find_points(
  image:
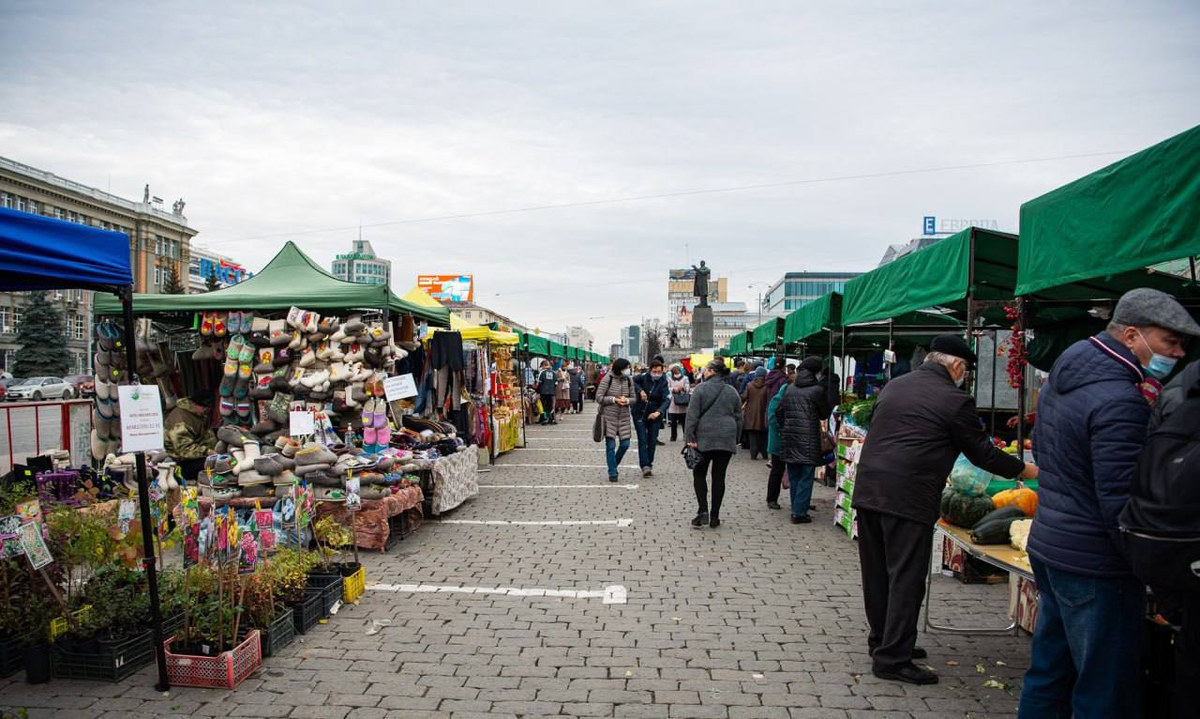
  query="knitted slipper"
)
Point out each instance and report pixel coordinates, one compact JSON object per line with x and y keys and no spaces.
{"x":227,"y":406}
{"x":243,"y":408}
{"x":207,"y":322}
{"x":220,"y":326}
{"x":266,"y":361}
{"x":277,"y":332}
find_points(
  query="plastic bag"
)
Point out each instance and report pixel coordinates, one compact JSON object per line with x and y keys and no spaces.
{"x":969,"y":479}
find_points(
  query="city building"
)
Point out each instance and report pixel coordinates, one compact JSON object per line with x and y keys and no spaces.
{"x":895,"y":251}
{"x":159,"y":241}
{"x":205,"y":262}
{"x":731,"y":318}
{"x":614,"y":351}
{"x":631,"y":343}
{"x":580,"y":337}
{"x":362,"y":265}
{"x":796,"y":289}
{"x":681,"y":301}
{"x":474,"y":314}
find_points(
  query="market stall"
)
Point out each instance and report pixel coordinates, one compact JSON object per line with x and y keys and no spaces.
{"x":767,"y":338}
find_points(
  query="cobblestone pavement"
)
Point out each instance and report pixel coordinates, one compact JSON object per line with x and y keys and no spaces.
{"x":758,"y":618}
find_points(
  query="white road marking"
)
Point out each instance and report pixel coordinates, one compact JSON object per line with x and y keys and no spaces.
{"x":612,"y":594}
{"x":581,"y":466}
{"x":625,"y":522}
{"x":609,"y":485}
{"x":559,"y":449}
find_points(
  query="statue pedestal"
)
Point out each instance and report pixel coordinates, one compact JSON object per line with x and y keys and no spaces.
{"x":702,"y":327}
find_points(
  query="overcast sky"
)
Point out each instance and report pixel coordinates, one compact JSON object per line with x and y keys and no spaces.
{"x":298,"y":120}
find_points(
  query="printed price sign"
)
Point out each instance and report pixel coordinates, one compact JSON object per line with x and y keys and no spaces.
{"x":141,"y":418}
{"x":399,"y":387}
{"x":300,"y":423}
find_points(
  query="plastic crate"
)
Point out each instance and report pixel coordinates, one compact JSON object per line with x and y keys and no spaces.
{"x":280,"y":632}
{"x":112,"y":663}
{"x":310,"y":610}
{"x":331,"y":588}
{"x":171,"y":625}
{"x":12,"y":651}
{"x":60,"y":625}
{"x":354,"y":585}
{"x":224,"y":671}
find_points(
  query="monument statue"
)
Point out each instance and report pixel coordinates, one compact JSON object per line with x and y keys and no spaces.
{"x":146,"y":194}
{"x":700,"y":283}
{"x":178,"y":206}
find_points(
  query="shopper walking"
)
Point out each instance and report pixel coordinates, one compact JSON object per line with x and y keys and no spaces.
{"x":776,"y":378}
{"x":775,"y":478}
{"x":649,"y":413}
{"x":806,"y":403}
{"x":615,"y":395}
{"x":547,"y":386}
{"x":681,"y":394}
{"x":922,"y":422}
{"x":1091,"y":426}
{"x":714,"y":422}
{"x":577,"y":383}
{"x":754,"y":413}
{"x":562,"y":390}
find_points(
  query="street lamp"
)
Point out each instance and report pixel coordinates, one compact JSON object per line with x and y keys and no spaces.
{"x":759,"y":285}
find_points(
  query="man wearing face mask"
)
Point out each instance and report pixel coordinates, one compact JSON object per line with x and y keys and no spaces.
{"x":1092,"y":417}
{"x":922,"y":422}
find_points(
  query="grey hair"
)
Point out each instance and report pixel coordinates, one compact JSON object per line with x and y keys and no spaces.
{"x":943,"y":359}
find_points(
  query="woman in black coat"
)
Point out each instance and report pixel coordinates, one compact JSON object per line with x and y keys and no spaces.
{"x":806,"y":403}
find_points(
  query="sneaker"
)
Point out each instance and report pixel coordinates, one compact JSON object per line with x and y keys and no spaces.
{"x":646,"y":472}
{"x":909,"y":673}
{"x":773,"y":505}
{"x":700,"y":520}
{"x":662,"y":443}
{"x":714,"y":521}
{"x":613,"y":478}
{"x":801,"y":520}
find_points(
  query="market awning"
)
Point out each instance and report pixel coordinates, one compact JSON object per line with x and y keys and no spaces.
{"x":974,"y":262}
{"x":1094,"y":237}
{"x":290,"y":279}
{"x":555,"y":349}
{"x":536,"y":345}
{"x":739,"y":344}
{"x":767,"y":335}
{"x":813,"y":318}
{"x":42,"y":253}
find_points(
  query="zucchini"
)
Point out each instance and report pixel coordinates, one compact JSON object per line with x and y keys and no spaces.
{"x":993,"y":529}
{"x":1002,"y":513}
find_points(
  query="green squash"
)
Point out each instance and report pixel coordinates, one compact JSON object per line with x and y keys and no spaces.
{"x":963,"y":510}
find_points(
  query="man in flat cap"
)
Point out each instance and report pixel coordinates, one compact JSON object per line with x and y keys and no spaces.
{"x":1092,"y":417}
{"x":922,"y":422}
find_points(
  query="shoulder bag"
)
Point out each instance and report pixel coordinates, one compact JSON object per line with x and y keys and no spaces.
{"x":599,"y":429}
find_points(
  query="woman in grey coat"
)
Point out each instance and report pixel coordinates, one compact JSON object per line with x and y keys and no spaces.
{"x":615,"y":395}
{"x":714,"y":423}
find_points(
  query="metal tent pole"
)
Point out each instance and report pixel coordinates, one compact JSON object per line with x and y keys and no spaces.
{"x":1021,"y":390}
{"x":148,"y":561}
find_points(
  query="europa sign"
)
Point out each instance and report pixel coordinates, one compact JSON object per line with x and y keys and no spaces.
{"x":455,"y":288}
{"x":931,"y":226}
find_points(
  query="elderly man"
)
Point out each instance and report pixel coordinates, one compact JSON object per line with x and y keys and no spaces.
{"x":922,"y":422}
{"x":1091,"y":427}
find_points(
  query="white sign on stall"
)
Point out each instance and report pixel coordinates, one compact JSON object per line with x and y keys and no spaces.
{"x":300,"y":423}
{"x":141,"y":418}
{"x":399,"y":387}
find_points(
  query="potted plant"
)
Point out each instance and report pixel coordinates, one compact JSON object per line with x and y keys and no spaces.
{"x":208,"y":651}
{"x":38,"y":612}
{"x":112,"y":640}
{"x":328,"y":532}
{"x":289,"y":569}
{"x":265,"y":613}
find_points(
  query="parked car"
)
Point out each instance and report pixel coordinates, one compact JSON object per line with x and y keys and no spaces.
{"x":38,"y":389}
{"x":84,"y":384}
{"x":4,"y":383}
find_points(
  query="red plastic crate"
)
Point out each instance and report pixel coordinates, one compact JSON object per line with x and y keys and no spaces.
{"x":224,"y":671}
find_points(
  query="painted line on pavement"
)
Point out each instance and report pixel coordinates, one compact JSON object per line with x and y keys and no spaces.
{"x":609,"y":485}
{"x":612,"y":594}
{"x":581,"y":466}
{"x":559,"y":449}
{"x":626,"y":522}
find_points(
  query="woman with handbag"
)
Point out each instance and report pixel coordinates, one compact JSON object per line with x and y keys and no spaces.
{"x":714,"y":423}
{"x":614,"y":396}
{"x":681,"y":394}
{"x":806,"y":403}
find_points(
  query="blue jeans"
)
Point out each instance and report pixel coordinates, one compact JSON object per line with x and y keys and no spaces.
{"x":800,"y":476}
{"x":1085,"y":646}
{"x":614,"y":454}
{"x":647,"y":434}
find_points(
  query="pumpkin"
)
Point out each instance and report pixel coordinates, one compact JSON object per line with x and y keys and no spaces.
{"x":1022,"y":498}
{"x":964,"y":510}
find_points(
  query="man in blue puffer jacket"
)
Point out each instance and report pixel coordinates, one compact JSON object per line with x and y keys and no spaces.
{"x":1091,"y":427}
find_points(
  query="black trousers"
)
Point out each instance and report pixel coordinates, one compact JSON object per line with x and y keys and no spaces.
{"x":757,"y":439}
{"x":678,"y":422}
{"x":720,"y":463}
{"x":577,"y":405}
{"x":548,"y":407}
{"x":894,"y":556}
{"x":775,"y":478}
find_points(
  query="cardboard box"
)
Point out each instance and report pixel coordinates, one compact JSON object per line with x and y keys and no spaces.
{"x":1026,"y":605}
{"x":843,"y":502}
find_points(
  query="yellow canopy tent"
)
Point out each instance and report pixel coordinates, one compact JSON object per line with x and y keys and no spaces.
{"x":477,"y":333}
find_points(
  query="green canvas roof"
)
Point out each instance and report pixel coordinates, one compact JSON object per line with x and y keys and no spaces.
{"x":767,"y":335}
{"x":535,"y":344}
{"x":739,"y":344}
{"x":555,"y":349}
{"x":290,"y":279}
{"x":937,"y":276}
{"x":813,"y":318}
{"x":1093,"y":237}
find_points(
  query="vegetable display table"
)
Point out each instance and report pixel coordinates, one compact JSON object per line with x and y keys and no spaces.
{"x":1002,"y":556}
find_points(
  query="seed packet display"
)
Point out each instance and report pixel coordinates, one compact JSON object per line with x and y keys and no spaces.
{"x":264,"y":521}
{"x":34,"y":545}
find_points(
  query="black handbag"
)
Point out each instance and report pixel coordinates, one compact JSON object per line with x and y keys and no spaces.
{"x":691,"y":456}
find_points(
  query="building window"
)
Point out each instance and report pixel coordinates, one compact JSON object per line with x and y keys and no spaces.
{"x":158,"y":276}
{"x":33,"y":207}
{"x":16,"y":321}
{"x":20,"y":204}
{"x":6,"y":200}
{"x":78,"y":327}
{"x":4,"y":326}
{"x":10,"y":357}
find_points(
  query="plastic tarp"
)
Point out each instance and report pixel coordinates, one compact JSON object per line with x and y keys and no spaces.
{"x":739,"y":344}
{"x":937,"y":276}
{"x":767,"y":335}
{"x":42,"y":253}
{"x":290,"y":279}
{"x":556,"y":349}
{"x":815,"y":317}
{"x":1134,"y":213}
{"x":536,"y":345}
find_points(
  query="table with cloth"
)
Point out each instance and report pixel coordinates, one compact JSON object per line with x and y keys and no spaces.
{"x":450,"y":480}
{"x":372,"y":530}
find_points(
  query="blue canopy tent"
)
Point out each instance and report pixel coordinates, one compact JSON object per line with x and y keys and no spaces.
{"x":42,"y":253}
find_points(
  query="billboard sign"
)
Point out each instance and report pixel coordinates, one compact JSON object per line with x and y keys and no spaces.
{"x":455,"y":288}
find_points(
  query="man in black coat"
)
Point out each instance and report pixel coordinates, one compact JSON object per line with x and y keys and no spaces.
{"x":922,"y":422}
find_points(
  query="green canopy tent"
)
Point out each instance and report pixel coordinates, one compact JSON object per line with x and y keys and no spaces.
{"x":536,"y":345}
{"x":739,"y":344}
{"x":290,"y":279}
{"x":555,"y":349}
{"x":767,"y":337}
